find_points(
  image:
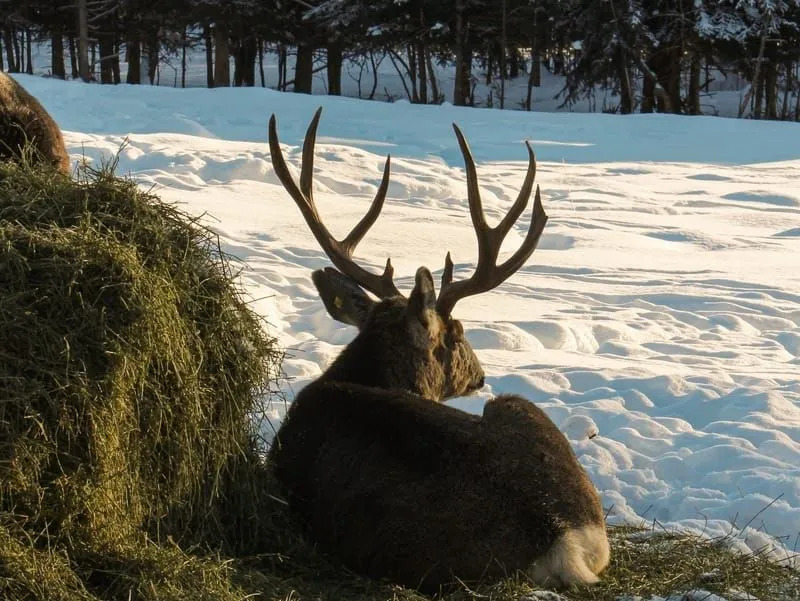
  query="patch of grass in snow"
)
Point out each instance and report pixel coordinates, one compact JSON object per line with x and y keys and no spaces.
{"x":647,"y":563}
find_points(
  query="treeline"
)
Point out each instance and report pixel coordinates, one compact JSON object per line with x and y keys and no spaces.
{"x":654,"y":55}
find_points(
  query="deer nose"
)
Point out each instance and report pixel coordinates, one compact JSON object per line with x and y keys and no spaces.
{"x":481,"y":382}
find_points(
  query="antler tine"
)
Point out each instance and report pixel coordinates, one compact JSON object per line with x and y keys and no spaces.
{"x":307,"y":162}
{"x":340,"y":252}
{"x":361,"y":228}
{"x":488,"y":274}
{"x":473,"y":192}
{"x":523,"y":197}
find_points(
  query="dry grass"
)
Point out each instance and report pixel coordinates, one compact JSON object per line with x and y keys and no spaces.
{"x":131,"y":369}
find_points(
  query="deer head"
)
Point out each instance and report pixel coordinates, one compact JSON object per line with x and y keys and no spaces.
{"x":412,"y":343}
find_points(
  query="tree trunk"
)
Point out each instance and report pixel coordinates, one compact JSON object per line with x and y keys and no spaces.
{"x":797,"y":107}
{"x":374,"y":64}
{"x":653,"y":90}
{"x":789,"y":86}
{"x":755,"y":85}
{"x":152,"y":56}
{"x":115,"y":60}
{"x":19,"y":60}
{"x":758,"y":98}
{"x":467,"y":76}
{"x":432,"y":74}
{"x":666,"y":68}
{"x":222,"y":68}
{"x":334,"y":68}
{"x":106,"y":51}
{"x":209,"y":44}
{"x":514,"y":61}
{"x":83,"y":40}
{"x":422,"y":68}
{"x":244,"y":73}
{"x":648,"y":95}
{"x":282,"y":67}
{"x":693,"y":100}
{"x":411,"y":69}
{"x":57,"y":52}
{"x":503,"y":54}
{"x":73,"y":57}
{"x":304,"y":69}
{"x":261,"y":62}
{"x":8,"y":42}
{"x":536,"y":70}
{"x":463,"y":56}
{"x":183,"y":57}
{"x":626,"y":99}
{"x":28,"y":53}
{"x":771,"y":89}
{"x":674,"y":79}
{"x":248,"y":49}
{"x":396,"y":58}
{"x":529,"y":95}
{"x":134,"y":51}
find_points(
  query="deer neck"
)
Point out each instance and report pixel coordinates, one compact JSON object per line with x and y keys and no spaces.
{"x":358,"y":363}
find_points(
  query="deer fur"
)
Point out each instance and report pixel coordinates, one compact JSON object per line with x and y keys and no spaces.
{"x":397,"y":486}
{"x":391,"y":482}
{"x":24,"y":120}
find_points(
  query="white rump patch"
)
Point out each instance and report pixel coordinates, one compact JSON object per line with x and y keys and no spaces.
{"x":576,"y":557}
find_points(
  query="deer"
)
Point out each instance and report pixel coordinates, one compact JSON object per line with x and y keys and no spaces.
{"x":23,"y":121}
{"x":393,"y":483}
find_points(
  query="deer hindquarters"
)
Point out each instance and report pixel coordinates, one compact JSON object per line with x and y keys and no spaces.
{"x":23,"y":120}
{"x":558,"y":503}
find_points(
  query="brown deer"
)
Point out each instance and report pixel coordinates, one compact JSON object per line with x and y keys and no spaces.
{"x":23,"y":120}
{"x":398,"y":486}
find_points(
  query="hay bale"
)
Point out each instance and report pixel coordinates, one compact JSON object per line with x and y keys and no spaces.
{"x":130,"y":368}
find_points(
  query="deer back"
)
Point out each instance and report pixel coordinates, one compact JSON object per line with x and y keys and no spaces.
{"x":397,"y":487}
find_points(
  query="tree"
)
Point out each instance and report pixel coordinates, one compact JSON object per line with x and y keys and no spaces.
{"x":759,"y":36}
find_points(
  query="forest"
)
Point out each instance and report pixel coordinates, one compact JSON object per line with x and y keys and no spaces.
{"x":653,"y":55}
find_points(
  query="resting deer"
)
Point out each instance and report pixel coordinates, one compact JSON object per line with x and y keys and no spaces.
{"x":23,"y":120}
{"x":396,"y":485}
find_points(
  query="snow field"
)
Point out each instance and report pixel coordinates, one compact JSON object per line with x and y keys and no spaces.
{"x":658,"y":323}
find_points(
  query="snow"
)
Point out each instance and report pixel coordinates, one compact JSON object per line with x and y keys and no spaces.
{"x":658,"y":323}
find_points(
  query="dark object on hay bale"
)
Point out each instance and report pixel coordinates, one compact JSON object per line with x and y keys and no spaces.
{"x":23,"y":120}
{"x":130,"y":370}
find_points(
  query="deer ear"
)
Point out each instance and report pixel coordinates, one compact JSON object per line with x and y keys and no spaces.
{"x":343,"y":298}
{"x":422,"y":302}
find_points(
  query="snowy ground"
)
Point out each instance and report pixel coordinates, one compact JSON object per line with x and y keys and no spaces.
{"x":662,"y":308}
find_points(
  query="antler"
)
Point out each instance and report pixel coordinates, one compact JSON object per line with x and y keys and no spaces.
{"x":340,"y":252}
{"x":487,"y":273}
